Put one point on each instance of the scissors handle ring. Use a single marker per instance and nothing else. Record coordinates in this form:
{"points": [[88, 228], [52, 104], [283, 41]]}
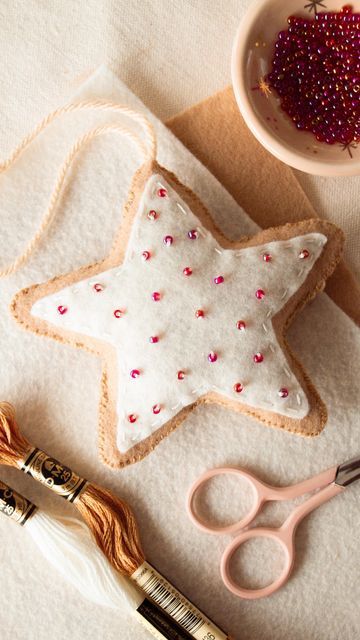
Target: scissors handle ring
{"points": [[283, 537], [259, 496]]}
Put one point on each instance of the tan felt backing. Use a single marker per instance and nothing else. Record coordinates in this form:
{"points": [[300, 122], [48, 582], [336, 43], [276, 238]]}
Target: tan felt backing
{"points": [[267, 189], [310, 425]]}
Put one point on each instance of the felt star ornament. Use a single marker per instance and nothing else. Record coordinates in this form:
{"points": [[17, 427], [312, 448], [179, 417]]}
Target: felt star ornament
{"points": [[181, 316]]}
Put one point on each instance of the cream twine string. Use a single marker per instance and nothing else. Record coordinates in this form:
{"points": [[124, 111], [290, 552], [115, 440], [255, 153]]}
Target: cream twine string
{"points": [[148, 150]]}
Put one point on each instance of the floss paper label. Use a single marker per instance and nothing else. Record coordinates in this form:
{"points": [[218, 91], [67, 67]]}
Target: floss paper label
{"points": [[181, 609]]}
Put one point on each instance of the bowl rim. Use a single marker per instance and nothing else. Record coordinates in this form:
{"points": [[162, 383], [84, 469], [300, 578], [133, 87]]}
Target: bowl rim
{"points": [[280, 150]]}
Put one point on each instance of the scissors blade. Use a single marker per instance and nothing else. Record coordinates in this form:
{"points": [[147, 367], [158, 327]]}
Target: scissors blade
{"points": [[348, 472]]}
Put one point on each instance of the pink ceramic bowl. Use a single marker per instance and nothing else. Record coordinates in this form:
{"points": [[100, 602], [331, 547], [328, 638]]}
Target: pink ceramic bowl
{"points": [[251, 60]]}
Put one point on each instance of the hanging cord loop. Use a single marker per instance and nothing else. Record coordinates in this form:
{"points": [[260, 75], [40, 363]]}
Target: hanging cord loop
{"points": [[147, 148]]}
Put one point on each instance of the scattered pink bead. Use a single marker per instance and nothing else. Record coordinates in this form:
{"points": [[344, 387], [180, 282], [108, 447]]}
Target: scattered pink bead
{"points": [[219, 279], [134, 373], [238, 387], [260, 294], [212, 357], [118, 313], [187, 271], [258, 357], [132, 418], [154, 339], [283, 392], [168, 240], [199, 313], [267, 257], [162, 193], [156, 296], [156, 409], [241, 325], [304, 254], [152, 215], [180, 375], [146, 255], [193, 234], [98, 287], [61, 309]]}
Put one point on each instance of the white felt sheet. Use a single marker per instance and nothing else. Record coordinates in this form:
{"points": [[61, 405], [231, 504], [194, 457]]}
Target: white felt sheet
{"points": [[56, 390]]}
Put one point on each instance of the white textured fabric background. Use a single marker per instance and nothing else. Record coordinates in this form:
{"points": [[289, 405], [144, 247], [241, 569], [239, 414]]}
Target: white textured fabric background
{"points": [[47, 48], [56, 391]]}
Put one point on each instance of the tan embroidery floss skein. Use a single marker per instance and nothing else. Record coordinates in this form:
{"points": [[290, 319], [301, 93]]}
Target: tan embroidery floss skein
{"points": [[111, 522], [69, 547], [109, 518]]}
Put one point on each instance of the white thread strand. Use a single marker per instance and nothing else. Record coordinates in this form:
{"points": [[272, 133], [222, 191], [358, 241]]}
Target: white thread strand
{"points": [[201, 232], [68, 546], [148, 150], [181, 208]]}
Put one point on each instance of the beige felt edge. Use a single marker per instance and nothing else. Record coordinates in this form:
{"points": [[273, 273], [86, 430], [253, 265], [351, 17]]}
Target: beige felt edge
{"points": [[216, 133], [311, 425]]}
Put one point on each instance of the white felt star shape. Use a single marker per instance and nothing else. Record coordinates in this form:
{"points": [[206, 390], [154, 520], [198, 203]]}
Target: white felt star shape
{"points": [[183, 317]]}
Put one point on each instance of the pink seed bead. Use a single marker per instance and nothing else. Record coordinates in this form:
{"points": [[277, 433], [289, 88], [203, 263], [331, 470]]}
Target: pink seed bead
{"points": [[132, 417], [219, 279], [156, 409], [315, 71], [199, 313], [212, 357], [260, 294], [162, 193], [168, 240], [258, 357], [180, 375], [241, 325], [238, 387], [118, 313], [187, 271], [98, 287], [267, 257], [193, 234], [156, 296], [61, 309], [283, 392], [154, 339], [304, 254], [146, 255], [134, 373], [152, 215]]}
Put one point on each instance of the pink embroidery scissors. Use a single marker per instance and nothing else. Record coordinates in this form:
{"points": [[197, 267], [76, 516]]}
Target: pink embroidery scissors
{"points": [[324, 486]]}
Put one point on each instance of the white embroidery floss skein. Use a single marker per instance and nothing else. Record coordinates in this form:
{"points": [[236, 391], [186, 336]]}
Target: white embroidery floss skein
{"points": [[111, 523], [110, 519], [68, 546]]}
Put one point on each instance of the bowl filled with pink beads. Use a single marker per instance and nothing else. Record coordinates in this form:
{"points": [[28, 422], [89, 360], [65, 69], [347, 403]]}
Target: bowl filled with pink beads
{"points": [[296, 78]]}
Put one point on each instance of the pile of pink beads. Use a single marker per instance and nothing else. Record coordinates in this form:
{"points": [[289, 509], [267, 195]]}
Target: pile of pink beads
{"points": [[316, 73]]}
